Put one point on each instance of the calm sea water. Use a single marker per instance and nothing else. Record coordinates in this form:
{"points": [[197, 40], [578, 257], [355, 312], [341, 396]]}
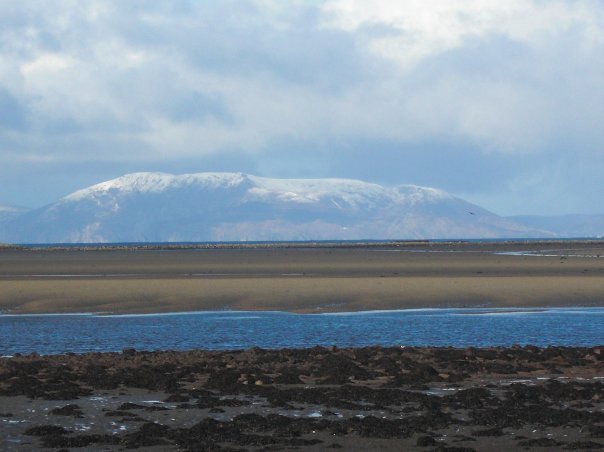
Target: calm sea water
{"points": [[51, 334]]}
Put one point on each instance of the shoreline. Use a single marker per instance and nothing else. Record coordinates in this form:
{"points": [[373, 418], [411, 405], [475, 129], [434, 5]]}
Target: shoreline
{"points": [[478, 309], [387, 398], [302, 280], [322, 244], [363, 398]]}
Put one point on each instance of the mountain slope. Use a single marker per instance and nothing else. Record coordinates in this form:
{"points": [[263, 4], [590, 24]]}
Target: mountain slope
{"points": [[565, 225], [235, 206], [9, 211]]}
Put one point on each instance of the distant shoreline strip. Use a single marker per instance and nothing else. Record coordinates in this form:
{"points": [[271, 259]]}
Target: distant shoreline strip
{"points": [[479, 243]]}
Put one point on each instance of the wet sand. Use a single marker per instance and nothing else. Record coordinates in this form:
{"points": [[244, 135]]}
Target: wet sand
{"points": [[439, 399], [302, 278], [374, 398]]}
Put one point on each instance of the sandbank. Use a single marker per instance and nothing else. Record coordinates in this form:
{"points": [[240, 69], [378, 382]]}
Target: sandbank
{"points": [[302, 279]]}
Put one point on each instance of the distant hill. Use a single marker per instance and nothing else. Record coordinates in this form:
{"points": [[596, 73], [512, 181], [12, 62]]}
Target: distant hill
{"points": [[9, 211], [565, 225], [233, 207]]}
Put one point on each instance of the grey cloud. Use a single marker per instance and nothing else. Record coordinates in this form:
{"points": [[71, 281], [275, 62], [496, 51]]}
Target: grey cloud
{"points": [[12, 114], [196, 106], [192, 86], [238, 39]]}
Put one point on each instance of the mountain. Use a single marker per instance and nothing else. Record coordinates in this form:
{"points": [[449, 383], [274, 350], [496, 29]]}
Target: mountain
{"points": [[565, 225], [9, 211], [157, 207]]}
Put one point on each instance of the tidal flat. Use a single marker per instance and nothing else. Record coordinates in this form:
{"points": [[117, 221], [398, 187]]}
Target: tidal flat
{"points": [[321, 398], [301, 277], [316, 398]]}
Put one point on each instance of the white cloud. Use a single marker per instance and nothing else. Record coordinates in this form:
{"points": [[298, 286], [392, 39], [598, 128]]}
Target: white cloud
{"points": [[176, 80], [419, 30]]}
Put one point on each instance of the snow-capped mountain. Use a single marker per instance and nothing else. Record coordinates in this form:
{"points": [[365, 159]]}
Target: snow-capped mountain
{"points": [[234, 206]]}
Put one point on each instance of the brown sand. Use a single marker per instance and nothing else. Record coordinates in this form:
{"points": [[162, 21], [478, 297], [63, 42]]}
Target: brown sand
{"points": [[303, 279], [315, 399]]}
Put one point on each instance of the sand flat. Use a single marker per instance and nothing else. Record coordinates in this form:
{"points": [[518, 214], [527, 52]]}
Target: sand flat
{"points": [[301, 279]]}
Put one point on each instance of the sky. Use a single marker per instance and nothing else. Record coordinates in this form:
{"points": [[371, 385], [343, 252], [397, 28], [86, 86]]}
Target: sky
{"points": [[498, 102]]}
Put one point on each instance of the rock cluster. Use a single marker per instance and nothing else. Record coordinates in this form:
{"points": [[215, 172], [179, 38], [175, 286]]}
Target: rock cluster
{"points": [[423, 398]]}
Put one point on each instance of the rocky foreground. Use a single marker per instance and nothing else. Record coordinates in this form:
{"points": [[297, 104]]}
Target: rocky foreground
{"points": [[374, 398]]}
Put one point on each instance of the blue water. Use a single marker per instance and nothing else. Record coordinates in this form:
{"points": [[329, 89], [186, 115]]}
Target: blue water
{"points": [[51, 334]]}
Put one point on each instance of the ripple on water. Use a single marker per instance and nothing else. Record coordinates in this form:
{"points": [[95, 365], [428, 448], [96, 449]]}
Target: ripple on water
{"points": [[221, 330]]}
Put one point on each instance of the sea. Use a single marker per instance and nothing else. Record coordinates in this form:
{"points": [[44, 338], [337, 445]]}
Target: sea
{"points": [[232, 330]]}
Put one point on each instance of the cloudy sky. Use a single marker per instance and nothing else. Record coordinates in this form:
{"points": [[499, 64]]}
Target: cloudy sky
{"points": [[499, 102]]}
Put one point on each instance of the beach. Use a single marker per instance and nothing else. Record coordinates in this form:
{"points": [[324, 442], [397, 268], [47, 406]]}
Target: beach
{"points": [[316, 398], [400, 398], [302, 278]]}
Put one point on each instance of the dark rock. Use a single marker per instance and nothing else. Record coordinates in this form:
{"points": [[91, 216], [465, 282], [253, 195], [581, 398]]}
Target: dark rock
{"points": [[488, 432], [425, 441], [45, 430], [53, 441], [148, 435], [130, 406], [177, 398], [67, 410], [584, 445], [596, 431], [539, 442], [463, 438], [225, 380], [445, 448], [471, 398]]}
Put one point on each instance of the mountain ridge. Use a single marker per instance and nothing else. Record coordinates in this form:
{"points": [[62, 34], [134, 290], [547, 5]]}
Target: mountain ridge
{"points": [[155, 207]]}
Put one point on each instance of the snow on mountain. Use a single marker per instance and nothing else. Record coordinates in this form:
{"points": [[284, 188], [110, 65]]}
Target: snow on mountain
{"points": [[234, 206], [156, 183]]}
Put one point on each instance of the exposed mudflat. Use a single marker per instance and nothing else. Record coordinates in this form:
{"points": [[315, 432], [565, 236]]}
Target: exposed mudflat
{"points": [[302, 277], [309, 399]]}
